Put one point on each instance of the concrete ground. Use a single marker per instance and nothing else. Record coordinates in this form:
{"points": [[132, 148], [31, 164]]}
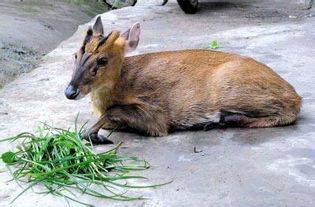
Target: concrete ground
{"points": [[233, 167]]}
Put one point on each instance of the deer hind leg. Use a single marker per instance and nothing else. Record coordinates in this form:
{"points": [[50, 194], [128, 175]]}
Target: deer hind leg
{"points": [[271, 121], [241, 120]]}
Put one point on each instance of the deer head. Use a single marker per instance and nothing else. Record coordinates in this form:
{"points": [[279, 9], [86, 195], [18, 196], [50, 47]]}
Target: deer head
{"points": [[99, 60]]}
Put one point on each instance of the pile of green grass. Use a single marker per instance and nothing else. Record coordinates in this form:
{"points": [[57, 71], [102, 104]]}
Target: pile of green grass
{"points": [[60, 161]]}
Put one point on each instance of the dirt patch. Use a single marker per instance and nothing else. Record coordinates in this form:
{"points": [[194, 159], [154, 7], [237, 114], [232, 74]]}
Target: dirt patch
{"points": [[15, 60]]}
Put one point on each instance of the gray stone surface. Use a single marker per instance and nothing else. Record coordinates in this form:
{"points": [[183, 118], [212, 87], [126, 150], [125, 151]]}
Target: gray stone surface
{"points": [[236, 167]]}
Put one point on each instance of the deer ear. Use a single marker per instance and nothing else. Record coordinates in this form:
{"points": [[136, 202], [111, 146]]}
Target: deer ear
{"points": [[132, 37], [98, 26]]}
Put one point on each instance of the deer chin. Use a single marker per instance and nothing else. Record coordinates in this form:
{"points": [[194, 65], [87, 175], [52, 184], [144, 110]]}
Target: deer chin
{"points": [[80, 96]]}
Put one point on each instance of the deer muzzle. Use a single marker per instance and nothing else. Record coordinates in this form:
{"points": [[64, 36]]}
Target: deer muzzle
{"points": [[72, 92]]}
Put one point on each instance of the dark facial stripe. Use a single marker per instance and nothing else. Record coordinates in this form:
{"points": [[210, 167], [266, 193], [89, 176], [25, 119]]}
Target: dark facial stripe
{"points": [[88, 36], [103, 40], [84, 58], [80, 69]]}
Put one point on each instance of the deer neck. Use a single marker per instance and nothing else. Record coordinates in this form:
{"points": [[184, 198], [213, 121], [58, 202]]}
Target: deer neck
{"points": [[101, 99]]}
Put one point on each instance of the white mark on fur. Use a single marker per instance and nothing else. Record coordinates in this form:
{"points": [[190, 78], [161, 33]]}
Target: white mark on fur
{"points": [[214, 117]]}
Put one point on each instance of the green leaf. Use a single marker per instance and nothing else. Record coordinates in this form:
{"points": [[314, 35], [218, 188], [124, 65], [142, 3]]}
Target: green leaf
{"points": [[8, 157], [214, 44]]}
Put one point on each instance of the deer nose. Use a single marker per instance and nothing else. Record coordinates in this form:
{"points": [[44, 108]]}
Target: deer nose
{"points": [[71, 92]]}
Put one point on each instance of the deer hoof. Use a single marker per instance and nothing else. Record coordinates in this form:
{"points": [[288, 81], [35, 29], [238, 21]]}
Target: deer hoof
{"points": [[97, 139]]}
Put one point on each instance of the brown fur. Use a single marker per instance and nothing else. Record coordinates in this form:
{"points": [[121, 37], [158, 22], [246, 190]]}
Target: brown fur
{"points": [[182, 89]]}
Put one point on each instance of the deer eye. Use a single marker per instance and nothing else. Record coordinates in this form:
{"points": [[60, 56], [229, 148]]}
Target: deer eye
{"points": [[102, 61], [75, 55]]}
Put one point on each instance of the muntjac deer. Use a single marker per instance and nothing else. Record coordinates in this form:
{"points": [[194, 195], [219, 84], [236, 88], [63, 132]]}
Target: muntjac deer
{"points": [[158, 92]]}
